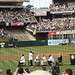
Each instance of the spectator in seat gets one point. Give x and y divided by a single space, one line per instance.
20 71
44 68
9 72
55 68
22 60
68 72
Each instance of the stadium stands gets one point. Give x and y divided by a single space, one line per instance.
55 24
61 7
12 15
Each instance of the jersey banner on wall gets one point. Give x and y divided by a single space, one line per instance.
1 23
51 33
17 24
40 12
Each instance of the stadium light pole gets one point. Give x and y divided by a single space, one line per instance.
33 7
39 4
45 3
39 9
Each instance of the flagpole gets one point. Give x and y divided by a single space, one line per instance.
39 3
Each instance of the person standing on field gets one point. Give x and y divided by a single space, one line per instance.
60 59
31 58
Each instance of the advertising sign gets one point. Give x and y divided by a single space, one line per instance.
40 12
4 39
58 42
17 24
72 41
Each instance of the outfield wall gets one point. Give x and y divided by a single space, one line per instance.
39 43
26 43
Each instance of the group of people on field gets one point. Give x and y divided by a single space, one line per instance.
55 69
39 60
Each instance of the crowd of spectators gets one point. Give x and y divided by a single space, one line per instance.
16 15
61 7
63 23
4 34
44 24
55 24
43 71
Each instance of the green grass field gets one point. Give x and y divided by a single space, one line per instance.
12 64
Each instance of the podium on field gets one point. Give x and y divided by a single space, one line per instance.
72 59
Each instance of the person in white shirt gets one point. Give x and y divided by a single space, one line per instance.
44 60
50 60
37 61
31 58
22 60
37 57
2 44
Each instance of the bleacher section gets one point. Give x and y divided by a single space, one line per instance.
20 33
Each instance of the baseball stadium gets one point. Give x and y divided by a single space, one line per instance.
37 39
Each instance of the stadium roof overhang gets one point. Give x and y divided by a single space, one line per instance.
63 12
11 6
62 1
14 0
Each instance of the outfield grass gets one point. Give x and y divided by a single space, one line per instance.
12 64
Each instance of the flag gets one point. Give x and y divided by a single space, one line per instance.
34 32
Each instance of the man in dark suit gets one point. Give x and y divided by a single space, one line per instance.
60 59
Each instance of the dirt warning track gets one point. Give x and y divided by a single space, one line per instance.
9 57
